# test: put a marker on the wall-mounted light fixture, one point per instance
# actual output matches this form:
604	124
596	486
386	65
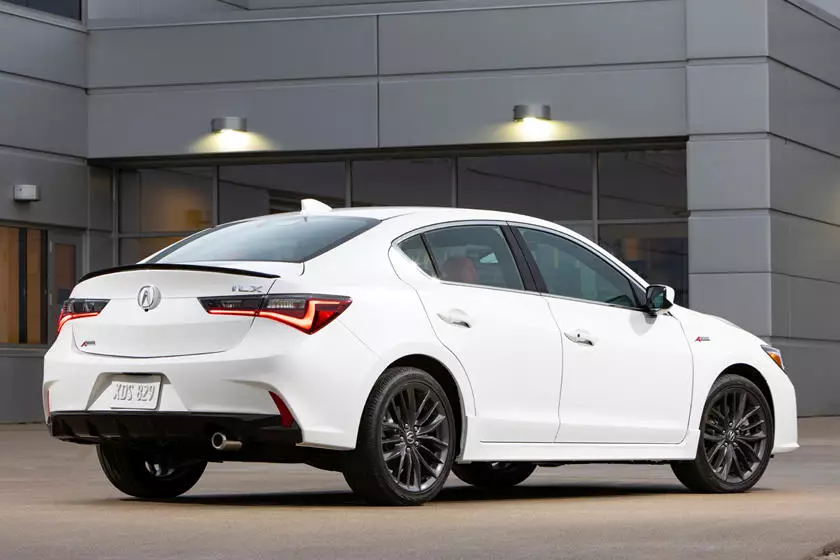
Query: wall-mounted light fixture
225	124
27	193
522	113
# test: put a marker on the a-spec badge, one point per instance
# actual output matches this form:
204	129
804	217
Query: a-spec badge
148	297
702	339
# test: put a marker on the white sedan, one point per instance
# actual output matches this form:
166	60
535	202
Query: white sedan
398	344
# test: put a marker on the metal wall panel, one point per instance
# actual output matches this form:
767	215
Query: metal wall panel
585	105
558	36
723	28
803	41
42	116
283	118
233	52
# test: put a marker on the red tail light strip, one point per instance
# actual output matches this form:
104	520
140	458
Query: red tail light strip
307	313
79	309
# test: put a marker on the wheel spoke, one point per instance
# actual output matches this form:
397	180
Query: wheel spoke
418	469
430	453
431	425
711	437
396	413
727	466
427	416
742	406
402	463
391	441
409	470
752	438
412	407
394	453
746	416
750	453
423	463
739	470
433	439
718	414
423	402
753	425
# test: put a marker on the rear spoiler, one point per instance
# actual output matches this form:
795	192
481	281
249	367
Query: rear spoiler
164	266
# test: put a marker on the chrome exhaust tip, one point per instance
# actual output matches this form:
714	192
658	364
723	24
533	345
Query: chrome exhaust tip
220	442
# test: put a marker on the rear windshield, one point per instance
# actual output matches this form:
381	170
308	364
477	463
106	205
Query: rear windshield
290	238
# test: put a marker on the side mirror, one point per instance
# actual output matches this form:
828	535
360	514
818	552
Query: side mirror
659	298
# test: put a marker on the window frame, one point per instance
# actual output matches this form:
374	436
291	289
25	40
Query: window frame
638	290
529	284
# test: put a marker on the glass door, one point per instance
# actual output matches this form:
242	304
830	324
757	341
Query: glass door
65	269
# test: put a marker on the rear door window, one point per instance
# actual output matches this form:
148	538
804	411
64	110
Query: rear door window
287	238
474	255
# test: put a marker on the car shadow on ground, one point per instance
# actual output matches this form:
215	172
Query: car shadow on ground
448	495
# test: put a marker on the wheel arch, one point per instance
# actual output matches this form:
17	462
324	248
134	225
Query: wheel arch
444	376
749	372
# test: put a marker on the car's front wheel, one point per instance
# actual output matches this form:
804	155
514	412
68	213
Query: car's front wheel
494	476
407	440
148	475
736	439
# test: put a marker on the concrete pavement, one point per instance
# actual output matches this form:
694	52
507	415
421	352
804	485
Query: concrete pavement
56	504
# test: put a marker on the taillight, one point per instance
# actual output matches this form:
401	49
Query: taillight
79	309
307	313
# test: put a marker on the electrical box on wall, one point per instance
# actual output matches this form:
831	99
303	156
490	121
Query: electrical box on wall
27	193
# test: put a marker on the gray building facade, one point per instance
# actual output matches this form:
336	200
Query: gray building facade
699	140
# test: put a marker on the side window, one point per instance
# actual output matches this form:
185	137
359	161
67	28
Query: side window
474	255
571	270
415	250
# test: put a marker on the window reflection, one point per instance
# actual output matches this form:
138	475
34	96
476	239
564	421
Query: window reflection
255	190
133	250
642	184
554	187
656	252
23	277
402	182
166	200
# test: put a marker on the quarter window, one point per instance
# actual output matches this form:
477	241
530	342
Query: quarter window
474	255
414	249
570	270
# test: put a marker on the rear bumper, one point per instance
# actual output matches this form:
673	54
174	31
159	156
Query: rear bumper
183	429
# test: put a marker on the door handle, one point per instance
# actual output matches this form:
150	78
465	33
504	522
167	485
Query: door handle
455	317
580	337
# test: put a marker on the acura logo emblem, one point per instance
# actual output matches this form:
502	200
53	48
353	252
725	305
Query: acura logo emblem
148	298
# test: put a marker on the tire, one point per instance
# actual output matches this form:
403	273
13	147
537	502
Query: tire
749	444
402	457
494	476
132	472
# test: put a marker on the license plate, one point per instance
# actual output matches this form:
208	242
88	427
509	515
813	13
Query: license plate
138	395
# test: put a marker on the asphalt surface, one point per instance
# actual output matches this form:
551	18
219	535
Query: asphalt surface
56	504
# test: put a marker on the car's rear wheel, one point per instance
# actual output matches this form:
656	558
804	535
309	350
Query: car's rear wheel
148	475
407	440
736	439
494	476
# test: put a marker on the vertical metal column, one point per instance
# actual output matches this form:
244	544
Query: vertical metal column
348	183
215	219
454	180
115	217
595	233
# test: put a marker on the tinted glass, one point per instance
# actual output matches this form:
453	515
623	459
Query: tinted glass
290	238
474	255
416	251
66	8
166	200
403	182
656	252
247	191
555	187
642	184
133	250
570	270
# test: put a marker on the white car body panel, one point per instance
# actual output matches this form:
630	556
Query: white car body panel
531	405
